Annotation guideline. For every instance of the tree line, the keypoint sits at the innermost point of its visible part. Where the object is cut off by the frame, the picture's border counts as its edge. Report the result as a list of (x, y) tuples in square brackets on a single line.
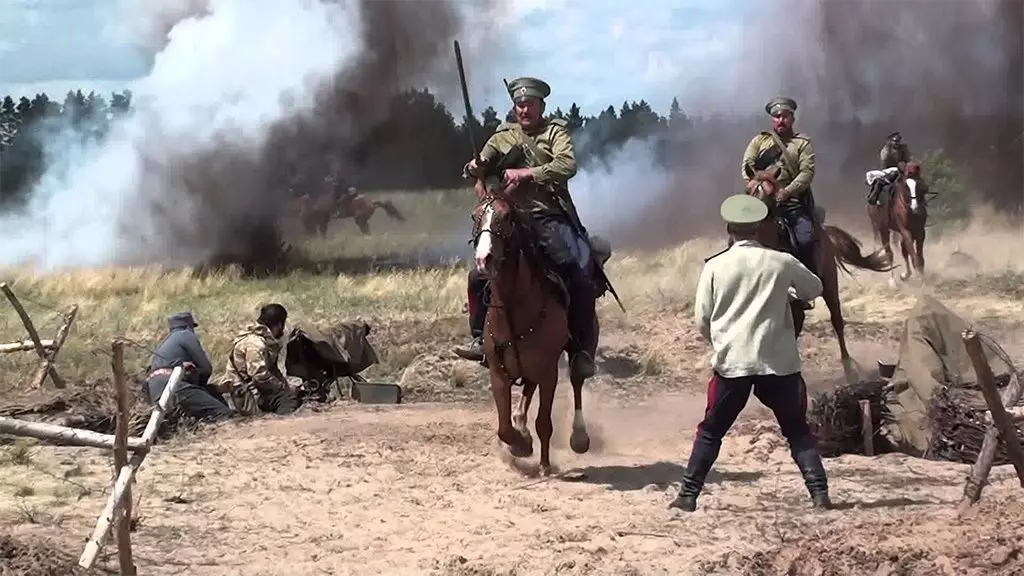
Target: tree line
[(422, 144), (419, 135)]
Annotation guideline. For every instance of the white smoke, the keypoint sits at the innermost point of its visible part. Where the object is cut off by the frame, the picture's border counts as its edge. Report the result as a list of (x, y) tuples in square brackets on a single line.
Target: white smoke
[(613, 198), (222, 78)]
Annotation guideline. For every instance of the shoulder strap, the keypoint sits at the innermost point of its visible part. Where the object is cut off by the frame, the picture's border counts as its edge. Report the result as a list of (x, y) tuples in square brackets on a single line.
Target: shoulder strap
[(536, 154), (787, 156)]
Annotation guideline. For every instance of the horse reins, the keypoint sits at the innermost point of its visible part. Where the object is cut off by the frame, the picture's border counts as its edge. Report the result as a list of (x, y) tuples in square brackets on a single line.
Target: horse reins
[(501, 347)]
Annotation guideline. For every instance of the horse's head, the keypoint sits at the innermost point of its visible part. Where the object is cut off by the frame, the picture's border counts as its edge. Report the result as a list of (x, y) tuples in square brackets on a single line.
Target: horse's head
[(762, 184), (494, 230), (916, 193), (912, 170)]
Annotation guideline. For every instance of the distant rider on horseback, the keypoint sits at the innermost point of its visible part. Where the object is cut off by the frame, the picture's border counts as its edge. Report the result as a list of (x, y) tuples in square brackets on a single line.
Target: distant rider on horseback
[(544, 156), (892, 158), (792, 156)]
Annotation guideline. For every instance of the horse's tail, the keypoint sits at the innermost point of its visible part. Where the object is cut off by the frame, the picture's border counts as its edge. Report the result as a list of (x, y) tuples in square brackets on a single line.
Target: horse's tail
[(847, 251), (389, 209)]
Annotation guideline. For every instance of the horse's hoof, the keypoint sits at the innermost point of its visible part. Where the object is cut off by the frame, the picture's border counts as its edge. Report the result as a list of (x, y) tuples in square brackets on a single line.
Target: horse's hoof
[(523, 448), (527, 437), (579, 441), (545, 470)]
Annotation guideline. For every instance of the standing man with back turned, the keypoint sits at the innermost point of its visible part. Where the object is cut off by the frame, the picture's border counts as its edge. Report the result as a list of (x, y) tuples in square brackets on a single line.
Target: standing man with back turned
[(742, 309)]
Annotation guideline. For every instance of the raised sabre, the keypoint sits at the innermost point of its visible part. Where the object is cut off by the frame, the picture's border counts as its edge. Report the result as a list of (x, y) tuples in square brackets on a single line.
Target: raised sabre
[(480, 187)]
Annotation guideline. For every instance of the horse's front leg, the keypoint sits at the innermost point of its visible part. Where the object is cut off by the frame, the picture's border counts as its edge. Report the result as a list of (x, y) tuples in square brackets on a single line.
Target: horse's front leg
[(907, 248), (543, 424), (523, 408), (501, 389), (886, 241), (579, 441), (919, 250)]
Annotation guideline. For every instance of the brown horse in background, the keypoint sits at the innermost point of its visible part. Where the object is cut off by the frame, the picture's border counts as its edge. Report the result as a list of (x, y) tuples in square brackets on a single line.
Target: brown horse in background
[(316, 215), (834, 248), (526, 328), (905, 213)]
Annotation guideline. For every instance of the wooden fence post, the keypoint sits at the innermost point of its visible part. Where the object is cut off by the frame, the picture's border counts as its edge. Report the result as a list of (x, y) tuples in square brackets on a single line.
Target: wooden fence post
[(1002, 427), (124, 517)]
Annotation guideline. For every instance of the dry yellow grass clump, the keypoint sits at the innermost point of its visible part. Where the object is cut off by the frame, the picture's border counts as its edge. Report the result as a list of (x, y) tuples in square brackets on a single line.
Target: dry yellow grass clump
[(421, 309)]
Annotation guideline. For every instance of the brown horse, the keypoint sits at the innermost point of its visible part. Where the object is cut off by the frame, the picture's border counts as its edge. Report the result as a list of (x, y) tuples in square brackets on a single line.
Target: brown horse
[(834, 248), (316, 215), (526, 328), (906, 214)]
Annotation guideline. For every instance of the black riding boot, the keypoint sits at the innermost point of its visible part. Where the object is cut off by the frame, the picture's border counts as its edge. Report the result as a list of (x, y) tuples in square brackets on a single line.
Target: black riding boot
[(582, 317), (477, 294), (874, 192), (815, 478), (697, 469)]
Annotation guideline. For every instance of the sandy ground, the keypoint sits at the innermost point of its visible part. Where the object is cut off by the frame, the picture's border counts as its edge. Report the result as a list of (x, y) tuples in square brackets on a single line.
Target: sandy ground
[(424, 489)]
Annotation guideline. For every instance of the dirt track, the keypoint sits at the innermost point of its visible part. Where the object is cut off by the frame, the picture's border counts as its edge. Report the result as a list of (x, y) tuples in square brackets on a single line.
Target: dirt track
[(423, 489)]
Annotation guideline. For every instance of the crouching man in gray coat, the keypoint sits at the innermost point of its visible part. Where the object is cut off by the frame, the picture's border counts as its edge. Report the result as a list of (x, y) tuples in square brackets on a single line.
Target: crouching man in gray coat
[(194, 396)]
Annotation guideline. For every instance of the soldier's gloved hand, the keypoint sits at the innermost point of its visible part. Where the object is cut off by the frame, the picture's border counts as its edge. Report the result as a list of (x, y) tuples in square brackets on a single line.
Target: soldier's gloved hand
[(517, 175)]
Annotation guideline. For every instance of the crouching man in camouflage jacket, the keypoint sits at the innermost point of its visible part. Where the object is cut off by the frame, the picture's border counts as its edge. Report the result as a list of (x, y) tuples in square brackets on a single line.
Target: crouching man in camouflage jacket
[(252, 376)]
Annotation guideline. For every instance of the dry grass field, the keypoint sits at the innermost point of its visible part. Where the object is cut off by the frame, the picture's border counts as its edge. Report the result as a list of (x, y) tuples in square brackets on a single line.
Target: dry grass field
[(422, 488)]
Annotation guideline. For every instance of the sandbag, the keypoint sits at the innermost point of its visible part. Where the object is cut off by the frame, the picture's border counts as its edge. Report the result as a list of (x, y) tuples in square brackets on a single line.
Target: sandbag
[(932, 355)]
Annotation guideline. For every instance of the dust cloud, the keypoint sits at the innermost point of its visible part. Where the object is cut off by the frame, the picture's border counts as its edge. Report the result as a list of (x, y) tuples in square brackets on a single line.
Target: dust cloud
[(239, 92), (948, 79)]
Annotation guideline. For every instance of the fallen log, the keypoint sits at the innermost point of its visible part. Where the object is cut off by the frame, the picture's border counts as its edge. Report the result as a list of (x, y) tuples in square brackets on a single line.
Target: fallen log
[(63, 435), (24, 346)]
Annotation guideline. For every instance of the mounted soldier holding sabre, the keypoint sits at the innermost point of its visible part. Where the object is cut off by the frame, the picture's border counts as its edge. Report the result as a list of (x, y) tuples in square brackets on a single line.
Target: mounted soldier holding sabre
[(540, 151)]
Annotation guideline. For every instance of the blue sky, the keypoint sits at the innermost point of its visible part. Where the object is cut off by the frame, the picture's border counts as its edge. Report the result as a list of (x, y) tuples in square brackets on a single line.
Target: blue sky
[(593, 52)]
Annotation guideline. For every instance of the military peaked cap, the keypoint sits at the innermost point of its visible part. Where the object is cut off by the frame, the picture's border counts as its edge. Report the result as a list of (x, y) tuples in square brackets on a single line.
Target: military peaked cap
[(743, 209), (181, 320), (527, 87), (894, 135), (780, 104)]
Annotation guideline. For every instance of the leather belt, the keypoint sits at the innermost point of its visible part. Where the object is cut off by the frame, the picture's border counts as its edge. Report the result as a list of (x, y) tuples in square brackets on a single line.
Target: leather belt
[(161, 372)]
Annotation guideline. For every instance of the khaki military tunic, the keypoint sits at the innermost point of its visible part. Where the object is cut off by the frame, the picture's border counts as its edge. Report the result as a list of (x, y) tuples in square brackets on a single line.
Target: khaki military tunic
[(550, 157), (890, 156), (795, 179)]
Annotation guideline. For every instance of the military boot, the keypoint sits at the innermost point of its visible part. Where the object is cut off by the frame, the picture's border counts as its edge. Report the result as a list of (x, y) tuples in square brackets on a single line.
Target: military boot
[(815, 478), (874, 191), (697, 468), (472, 351), (477, 318), (582, 320)]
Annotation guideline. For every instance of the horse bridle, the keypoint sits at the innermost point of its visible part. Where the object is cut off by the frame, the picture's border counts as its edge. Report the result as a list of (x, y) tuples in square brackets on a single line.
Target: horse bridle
[(501, 347)]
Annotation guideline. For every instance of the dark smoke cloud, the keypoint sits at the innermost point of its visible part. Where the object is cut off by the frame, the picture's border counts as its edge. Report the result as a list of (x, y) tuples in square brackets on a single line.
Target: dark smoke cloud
[(402, 44), (947, 74), (242, 102)]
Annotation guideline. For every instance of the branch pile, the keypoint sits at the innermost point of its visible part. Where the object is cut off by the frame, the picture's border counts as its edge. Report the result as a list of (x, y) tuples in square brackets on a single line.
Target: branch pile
[(35, 558), (958, 431), (91, 407), (836, 418)]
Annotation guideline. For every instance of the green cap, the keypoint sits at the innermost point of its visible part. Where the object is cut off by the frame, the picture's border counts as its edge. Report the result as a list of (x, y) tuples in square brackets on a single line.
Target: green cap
[(743, 209), (527, 87), (780, 104)]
